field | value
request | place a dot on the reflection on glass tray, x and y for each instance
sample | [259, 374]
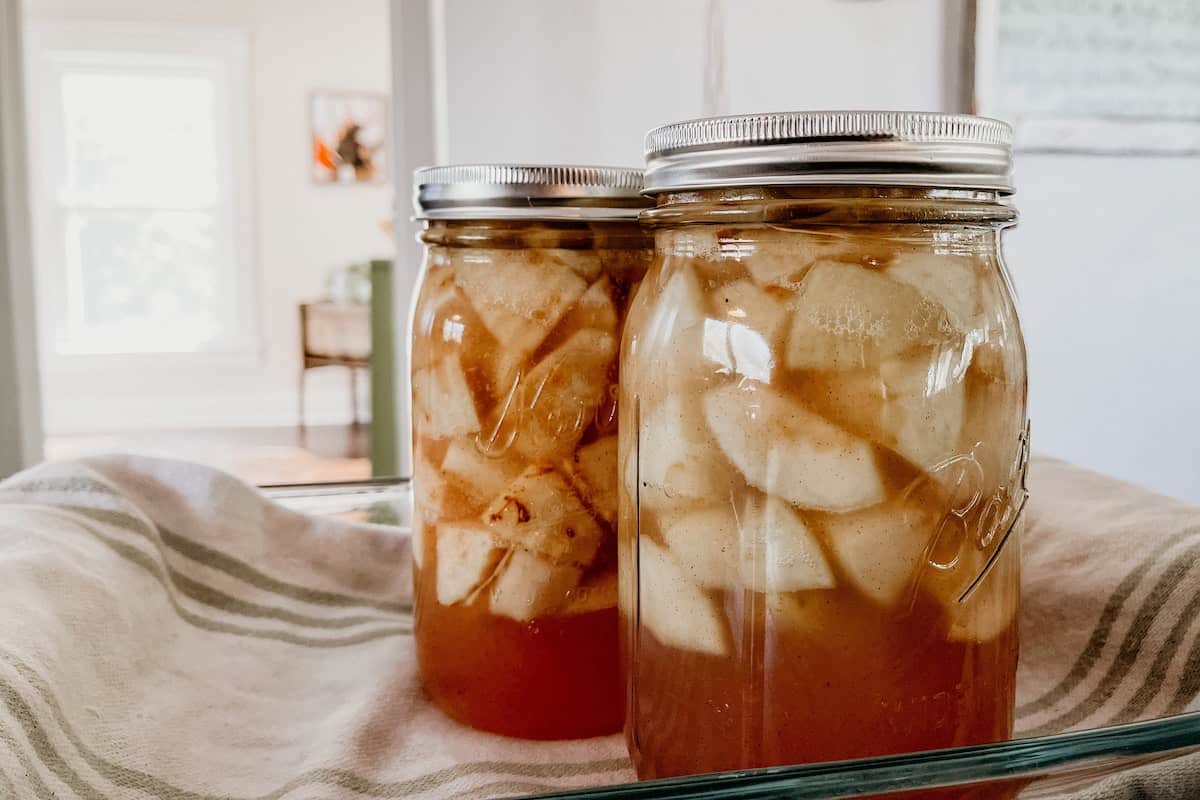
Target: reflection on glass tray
[1044, 767]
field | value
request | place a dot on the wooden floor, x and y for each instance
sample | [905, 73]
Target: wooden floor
[317, 454]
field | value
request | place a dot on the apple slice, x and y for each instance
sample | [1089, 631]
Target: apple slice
[439, 302]
[429, 489]
[675, 609]
[766, 547]
[679, 306]
[778, 551]
[592, 470]
[527, 587]
[678, 458]
[734, 348]
[560, 395]
[467, 556]
[914, 407]
[772, 256]
[782, 256]
[993, 425]
[477, 477]
[847, 316]
[595, 309]
[948, 280]
[520, 299]
[584, 262]
[429, 501]
[442, 400]
[665, 358]
[881, 548]
[784, 449]
[706, 545]
[922, 417]
[541, 513]
[761, 310]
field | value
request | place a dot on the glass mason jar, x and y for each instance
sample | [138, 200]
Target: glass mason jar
[514, 375]
[822, 443]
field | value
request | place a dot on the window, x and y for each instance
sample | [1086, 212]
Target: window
[139, 136]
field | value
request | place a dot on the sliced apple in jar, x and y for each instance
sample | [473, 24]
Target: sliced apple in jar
[745, 303]
[772, 256]
[923, 414]
[846, 317]
[592, 470]
[784, 449]
[429, 488]
[440, 307]
[595, 309]
[430, 503]
[560, 395]
[477, 477]
[467, 556]
[881, 549]
[528, 586]
[914, 407]
[738, 350]
[673, 608]
[442, 400]
[678, 307]
[704, 544]
[951, 281]
[541, 513]
[518, 300]
[765, 546]
[677, 458]
[778, 551]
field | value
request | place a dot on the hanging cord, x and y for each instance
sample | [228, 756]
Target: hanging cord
[716, 100]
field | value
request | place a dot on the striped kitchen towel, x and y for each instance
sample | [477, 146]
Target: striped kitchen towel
[1110, 622]
[169, 634]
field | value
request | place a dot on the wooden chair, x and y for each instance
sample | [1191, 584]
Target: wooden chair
[335, 335]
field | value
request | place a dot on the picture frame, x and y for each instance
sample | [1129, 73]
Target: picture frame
[1038, 67]
[349, 137]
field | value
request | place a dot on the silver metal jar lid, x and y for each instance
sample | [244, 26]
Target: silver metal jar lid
[892, 148]
[528, 191]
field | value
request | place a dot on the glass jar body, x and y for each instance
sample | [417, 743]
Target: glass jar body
[822, 444]
[514, 358]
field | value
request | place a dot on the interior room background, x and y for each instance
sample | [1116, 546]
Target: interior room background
[1102, 258]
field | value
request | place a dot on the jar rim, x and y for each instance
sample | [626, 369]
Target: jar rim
[822, 148]
[528, 191]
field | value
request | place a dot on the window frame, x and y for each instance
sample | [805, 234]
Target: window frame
[53, 46]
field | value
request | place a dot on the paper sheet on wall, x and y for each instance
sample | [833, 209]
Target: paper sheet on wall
[1098, 75]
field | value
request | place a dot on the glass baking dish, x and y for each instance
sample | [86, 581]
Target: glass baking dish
[1096, 764]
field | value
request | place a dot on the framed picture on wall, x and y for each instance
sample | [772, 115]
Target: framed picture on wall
[349, 137]
[1080, 76]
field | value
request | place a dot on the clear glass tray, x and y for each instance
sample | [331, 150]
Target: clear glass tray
[1112, 762]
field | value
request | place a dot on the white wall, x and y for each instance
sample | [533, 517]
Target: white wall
[566, 81]
[1103, 257]
[583, 80]
[1105, 263]
[301, 230]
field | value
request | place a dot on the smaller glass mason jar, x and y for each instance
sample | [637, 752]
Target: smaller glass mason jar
[823, 443]
[516, 332]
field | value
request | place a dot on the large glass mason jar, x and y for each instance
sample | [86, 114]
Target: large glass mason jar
[514, 377]
[822, 443]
